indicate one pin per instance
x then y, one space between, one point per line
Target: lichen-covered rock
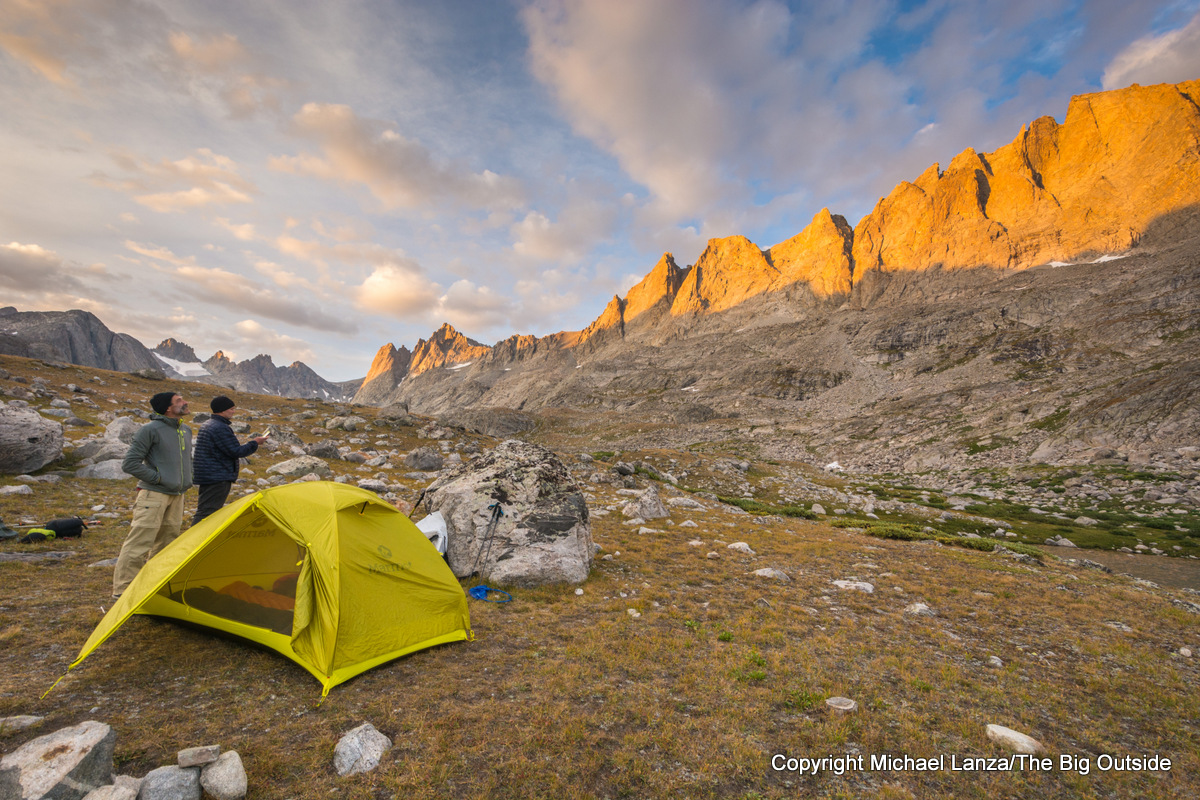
543 536
360 750
64 765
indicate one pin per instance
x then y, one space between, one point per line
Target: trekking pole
488 536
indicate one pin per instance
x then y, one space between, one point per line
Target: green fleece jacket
161 456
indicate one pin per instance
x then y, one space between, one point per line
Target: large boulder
64 765
543 535
28 441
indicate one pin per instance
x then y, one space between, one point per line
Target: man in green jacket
161 459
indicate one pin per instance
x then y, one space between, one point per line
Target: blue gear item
481 593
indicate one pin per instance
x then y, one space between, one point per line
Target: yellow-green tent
329 575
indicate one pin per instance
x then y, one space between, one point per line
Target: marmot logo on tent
383 551
379 566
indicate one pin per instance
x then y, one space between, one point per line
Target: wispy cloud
1167 58
209 178
400 172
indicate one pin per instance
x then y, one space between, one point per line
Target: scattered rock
171 783
198 756
105 470
841 705
350 423
771 572
648 505
326 449
919 610
855 586
426 459
741 547
686 502
994 661
24 722
122 429
123 787
48 555
1014 740
360 750
225 778
15 490
817 508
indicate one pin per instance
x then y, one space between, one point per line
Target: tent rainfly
329 575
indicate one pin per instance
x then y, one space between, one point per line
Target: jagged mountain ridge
1121 174
80 337
260 375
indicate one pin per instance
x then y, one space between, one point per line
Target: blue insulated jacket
217 452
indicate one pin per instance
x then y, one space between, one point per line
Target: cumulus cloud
587 219
667 87
204 178
398 290
399 172
1167 58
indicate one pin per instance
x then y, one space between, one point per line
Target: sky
312 180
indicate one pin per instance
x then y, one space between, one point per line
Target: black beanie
220 403
162 401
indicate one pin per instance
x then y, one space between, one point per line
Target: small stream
1179 572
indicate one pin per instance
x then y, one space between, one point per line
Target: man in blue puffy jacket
215 466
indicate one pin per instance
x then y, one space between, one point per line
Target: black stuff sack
67 528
